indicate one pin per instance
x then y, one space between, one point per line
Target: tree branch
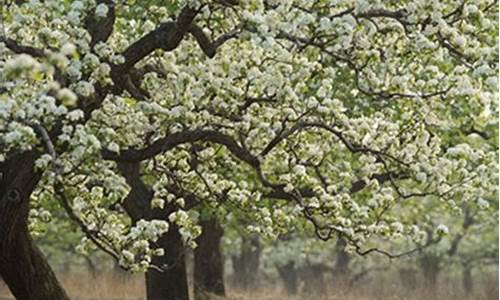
167 37
101 28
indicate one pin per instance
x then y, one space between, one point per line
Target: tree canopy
362 119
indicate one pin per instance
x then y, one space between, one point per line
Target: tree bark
22 265
246 265
208 262
171 284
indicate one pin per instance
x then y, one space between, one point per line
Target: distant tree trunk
288 274
341 271
171 284
91 267
467 279
119 273
314 279
246 265
429 264
408 278
22 266
208 262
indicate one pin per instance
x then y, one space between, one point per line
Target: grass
113 286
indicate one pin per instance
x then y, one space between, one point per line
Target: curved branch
167 37
17 48
171 141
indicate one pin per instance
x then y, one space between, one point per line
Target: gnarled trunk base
22 266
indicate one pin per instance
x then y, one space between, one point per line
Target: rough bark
288 274
208 261
22 266
246 265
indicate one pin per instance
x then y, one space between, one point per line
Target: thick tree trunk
246 265
22 266
171 284
288 274
208 262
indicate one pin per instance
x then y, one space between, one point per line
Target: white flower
19 64
288 188
157 203
91 61
442 230
299 170
176 111
68 49
114 147
12 136
470 9
101 10
421 176
73 17
43 161
77 5
117 59
67 97
180 202
73 71
159 252
483 204
84 88
75 115
129 256
459 41
160 226
492 82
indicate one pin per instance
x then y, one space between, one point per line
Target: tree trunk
341 272
408 278
22 266
288 274
171 284
91 267
429 264
467 280
314 279
246 265
208 262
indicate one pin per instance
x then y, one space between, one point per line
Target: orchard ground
120 286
